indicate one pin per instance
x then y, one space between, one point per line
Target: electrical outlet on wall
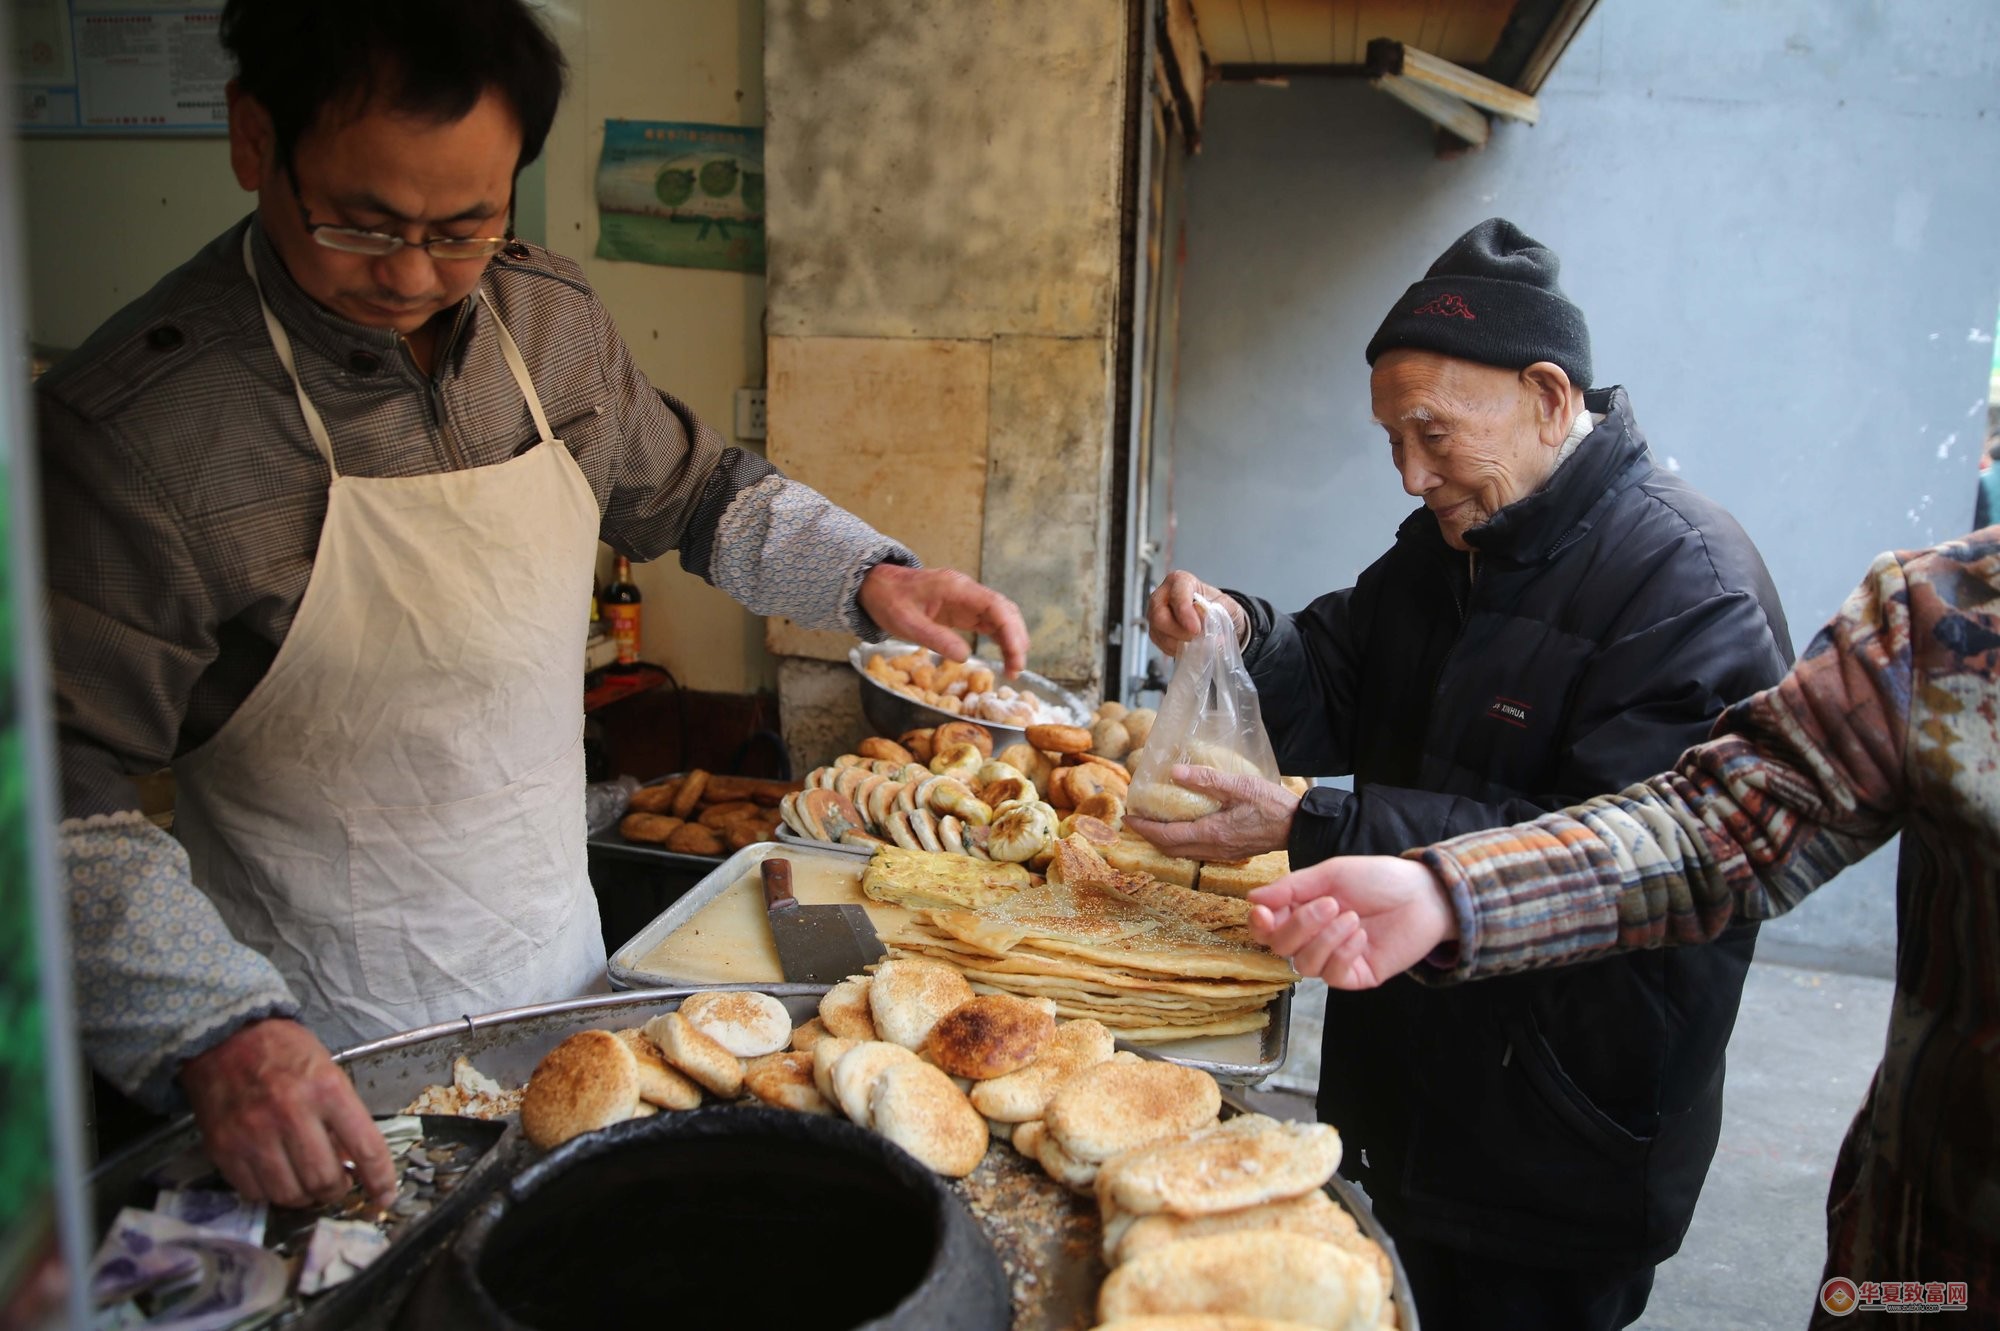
749 413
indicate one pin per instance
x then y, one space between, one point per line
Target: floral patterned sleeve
783 548
158 976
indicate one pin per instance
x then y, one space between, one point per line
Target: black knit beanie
1492 298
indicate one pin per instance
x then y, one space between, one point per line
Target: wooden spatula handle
778 884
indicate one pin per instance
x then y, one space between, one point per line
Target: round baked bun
696 1054
844 1009
912 994
786 1081
747 1024
854 1076
916 1106
989 1035
659 1083
1165 802
827 1054
587 1082
1059 739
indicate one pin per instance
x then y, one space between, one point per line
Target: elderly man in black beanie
1559 618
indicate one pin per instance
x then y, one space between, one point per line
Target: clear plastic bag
1208 718
605 802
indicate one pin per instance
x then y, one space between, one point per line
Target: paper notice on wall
119 67
688 196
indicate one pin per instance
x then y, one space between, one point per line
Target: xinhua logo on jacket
1446 306
1510 711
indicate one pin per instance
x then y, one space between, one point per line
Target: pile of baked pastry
1201 1216
963 688
944 789
705 814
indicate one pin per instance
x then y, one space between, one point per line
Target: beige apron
395 815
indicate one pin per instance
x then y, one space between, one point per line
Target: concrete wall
1778 218
106 218
696 333
944 229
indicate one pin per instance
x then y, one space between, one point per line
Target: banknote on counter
216 1210
138 1255
339 1251
192 1280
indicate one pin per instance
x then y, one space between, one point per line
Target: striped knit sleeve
1800 781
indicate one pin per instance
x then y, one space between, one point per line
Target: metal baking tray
892 713
787 837
390 1072
1236 1060
608 840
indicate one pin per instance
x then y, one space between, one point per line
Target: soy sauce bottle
621 609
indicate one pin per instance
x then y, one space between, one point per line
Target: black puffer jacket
1565 1117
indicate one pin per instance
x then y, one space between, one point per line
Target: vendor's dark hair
303 58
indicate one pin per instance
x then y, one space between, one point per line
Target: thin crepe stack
1150 961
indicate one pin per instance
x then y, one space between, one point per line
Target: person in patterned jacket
1889 723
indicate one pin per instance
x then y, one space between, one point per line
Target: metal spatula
816 944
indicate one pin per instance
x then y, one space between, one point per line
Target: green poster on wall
683 195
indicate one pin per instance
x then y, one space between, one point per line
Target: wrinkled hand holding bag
1208 718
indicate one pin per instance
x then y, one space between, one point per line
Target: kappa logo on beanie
1447 306
1492 297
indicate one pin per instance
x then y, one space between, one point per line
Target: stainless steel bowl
892 713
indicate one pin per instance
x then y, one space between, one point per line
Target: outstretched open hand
1354 921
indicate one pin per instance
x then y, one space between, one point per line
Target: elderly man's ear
1553 400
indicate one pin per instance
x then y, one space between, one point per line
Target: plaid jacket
1889 723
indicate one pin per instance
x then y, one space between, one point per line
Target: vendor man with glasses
322 509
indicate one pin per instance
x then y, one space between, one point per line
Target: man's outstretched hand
925 605
1354 921
282 1121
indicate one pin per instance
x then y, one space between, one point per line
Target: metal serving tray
1237 1060
607 840
892 713
787 837
506 1046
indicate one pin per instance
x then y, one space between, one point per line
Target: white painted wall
697 334
106 218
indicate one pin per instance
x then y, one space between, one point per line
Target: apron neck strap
281 342
519 369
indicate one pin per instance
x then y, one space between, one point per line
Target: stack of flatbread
1151 960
